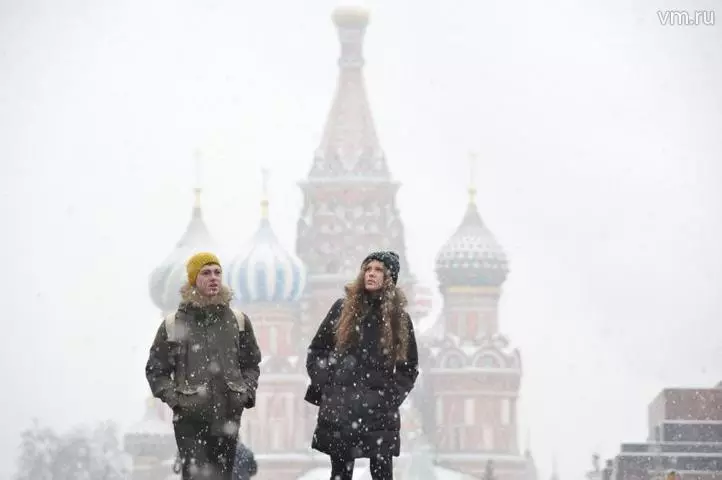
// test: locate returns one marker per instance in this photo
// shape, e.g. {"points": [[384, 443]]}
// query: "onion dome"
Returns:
{"points": [[167, 278], [266, 272], [472, 256]]}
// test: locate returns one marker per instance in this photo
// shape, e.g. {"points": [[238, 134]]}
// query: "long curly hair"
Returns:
{"points": [[395, 319]]}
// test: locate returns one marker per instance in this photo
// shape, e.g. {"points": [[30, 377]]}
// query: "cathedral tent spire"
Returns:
{"points": [[350, 147], [472, 177], [196, 232], [349, 198], [264, 195]]}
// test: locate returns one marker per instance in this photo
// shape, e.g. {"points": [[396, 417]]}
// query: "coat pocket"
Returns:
{"points": [[313, 395], [237, 396], [335, 408], [192, 398], [378, 399]]}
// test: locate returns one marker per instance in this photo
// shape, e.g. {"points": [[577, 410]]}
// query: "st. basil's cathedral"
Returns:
{"points": [[460, 422]]}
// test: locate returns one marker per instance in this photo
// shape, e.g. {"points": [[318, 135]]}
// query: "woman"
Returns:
{"points": [[363, 362]]}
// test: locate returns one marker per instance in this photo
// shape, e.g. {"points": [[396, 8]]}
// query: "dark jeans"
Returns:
{"points": [[206, 451], [382, 468]]}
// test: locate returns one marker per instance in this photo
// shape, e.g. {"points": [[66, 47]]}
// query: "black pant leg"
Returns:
{"points": [[222, 454], [191, 437], [382, 467], [341, 468]]}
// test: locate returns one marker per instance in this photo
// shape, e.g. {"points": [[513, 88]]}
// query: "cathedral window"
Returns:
{"points": [[460, 327], [469, 411], [454, 424], [453, 360], [487, 360], [488, 437], [505, 411], [278, 424], [439, 410], [457, 438], [473, 324]]}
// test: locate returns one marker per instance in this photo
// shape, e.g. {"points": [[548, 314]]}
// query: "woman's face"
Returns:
{"points": [[374, 276]]}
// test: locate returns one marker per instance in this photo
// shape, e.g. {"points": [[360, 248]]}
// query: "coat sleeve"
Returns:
{"points": [[407, 371], [249, 360], [159, 368], [319, 351]]}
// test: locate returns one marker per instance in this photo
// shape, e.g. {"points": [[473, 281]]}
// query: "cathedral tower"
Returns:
{"points": [[151, 443], [475, 372], [267, 281], [349, 198]]}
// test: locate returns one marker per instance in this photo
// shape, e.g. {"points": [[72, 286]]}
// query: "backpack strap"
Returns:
{"points": [[240, 319], [170, 324]]}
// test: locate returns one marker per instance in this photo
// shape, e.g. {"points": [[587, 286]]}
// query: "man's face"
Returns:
{"points": [[208, 281], [374, 276]]}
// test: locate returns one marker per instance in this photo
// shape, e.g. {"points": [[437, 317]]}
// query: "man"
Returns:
{"points": [[246, 465], [204, 363]]}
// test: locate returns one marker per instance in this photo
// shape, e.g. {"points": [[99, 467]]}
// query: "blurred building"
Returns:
{"points": [[462, 417], [151, 443], [684, 439], [598, 472]]}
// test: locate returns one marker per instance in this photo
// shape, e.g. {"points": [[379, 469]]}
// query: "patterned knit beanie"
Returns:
{"points": [[390, 261]]}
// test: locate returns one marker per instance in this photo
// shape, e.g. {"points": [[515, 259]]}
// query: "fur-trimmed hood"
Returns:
{"points": [[190, 296]]}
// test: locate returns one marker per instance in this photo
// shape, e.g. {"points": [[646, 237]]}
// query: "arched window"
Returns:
{"points": [[488, 360], [453, 360], [505, 411]]}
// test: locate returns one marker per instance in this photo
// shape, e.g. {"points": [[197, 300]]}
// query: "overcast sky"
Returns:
{"points": [[598, 131]]}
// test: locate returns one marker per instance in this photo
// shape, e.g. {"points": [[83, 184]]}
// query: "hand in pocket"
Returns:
{"points": [[237, 395]]}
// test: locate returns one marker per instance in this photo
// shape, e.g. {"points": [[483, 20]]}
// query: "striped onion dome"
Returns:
{"points": [[472, 256], [167, 278], [266, 272]]}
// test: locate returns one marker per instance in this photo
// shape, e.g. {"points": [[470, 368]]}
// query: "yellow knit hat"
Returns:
{"points": [[198, 261]]}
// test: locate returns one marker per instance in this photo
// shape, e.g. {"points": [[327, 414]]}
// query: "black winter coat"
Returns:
{"points": [[357, 391], [209, 368]]}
